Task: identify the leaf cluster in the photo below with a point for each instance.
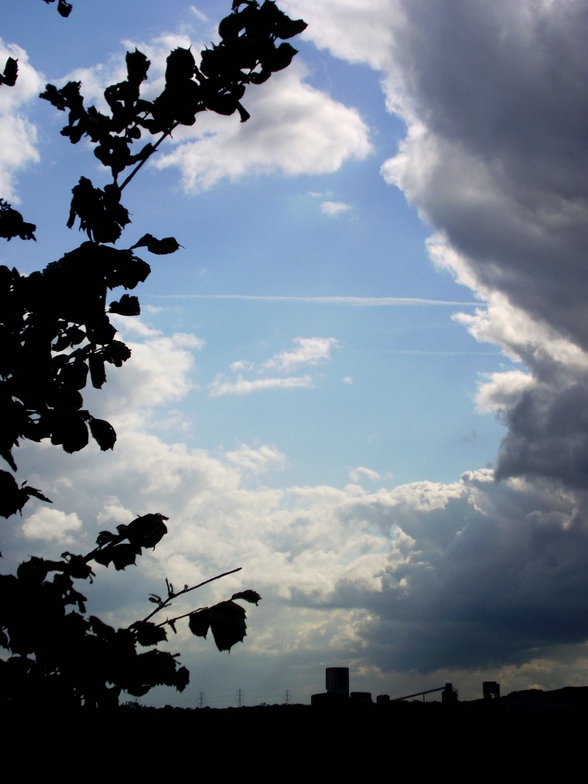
(57, 337)
(12, 224)
(248, 53)
(63, 8)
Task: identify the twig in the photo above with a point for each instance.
(146, 158)
(171, 596)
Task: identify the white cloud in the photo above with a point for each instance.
(240, 386)
(356, 474)
(51, 525)
(359, 31)
(308, 351)
(334, 208)
(500, 391)
(159, 372)
(198, 14)
(360, 302)
(241, 365)
(395, 580)
(18, 136)
(114, 513)
(294, 129)
(256, 460)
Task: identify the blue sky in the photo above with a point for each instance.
(377, 311)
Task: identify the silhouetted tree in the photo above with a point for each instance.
(56, 337)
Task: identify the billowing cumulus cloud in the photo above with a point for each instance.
(294, 129)
(51, 525)
(159, 374)
(484, 572)
(473, 576)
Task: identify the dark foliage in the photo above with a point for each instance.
(57, 337)
(54, 325)
(62, 657)
(63, 8)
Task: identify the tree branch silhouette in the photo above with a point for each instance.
(57, 338)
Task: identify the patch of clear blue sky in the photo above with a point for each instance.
(409, 411)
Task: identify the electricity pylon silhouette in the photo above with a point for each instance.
(239, 698)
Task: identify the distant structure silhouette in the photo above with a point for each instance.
(361, 697)
(337, 694)
(239, 698)
(201, 700)
(286, 698)
(337, 680)
(491, 691)
(449, 694)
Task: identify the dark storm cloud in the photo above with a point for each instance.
(501, 91)
(547, 436)
(510, 579)
(495, 157)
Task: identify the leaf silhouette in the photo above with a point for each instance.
(199, 622)
(249, 596)
(103, 433)
(146, 531)
(10, 72)
(149, 634)
(227, 624)
(158, 247)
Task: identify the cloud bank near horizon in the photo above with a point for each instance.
(471, 576)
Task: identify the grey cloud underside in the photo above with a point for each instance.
(473, 574)
(548, 436)
(477, 587)
(503, 86)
